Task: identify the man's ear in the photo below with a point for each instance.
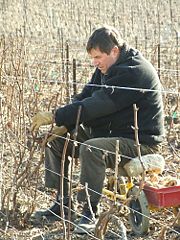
(116, 50)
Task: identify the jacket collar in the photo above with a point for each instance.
(124, 52)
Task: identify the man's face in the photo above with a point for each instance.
(104, 61)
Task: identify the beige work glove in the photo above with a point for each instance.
(56, 131)
(40, 119)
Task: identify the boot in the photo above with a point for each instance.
(54, 213)
(87, 222)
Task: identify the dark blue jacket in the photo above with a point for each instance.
(109, 110)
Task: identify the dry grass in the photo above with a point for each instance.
(38, 42)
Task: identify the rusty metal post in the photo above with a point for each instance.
(136, 42)
(67, 73)
(145, 38)
(61, 44)
(177, 55)
(159, 60)
(74, 78)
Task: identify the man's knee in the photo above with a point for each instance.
(86, 147)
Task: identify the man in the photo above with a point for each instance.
(107, 115)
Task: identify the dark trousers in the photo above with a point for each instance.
(95, 154)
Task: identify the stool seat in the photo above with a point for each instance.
(153, 163)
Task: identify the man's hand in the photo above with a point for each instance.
(41, 118)
(56, 131)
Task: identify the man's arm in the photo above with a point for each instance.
(88, 89)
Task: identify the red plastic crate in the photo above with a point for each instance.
(163, 197)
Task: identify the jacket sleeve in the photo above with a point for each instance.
(88, 89)
(95, 106)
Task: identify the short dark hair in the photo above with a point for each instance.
(104, 38)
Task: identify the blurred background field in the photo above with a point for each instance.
(43, 63)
